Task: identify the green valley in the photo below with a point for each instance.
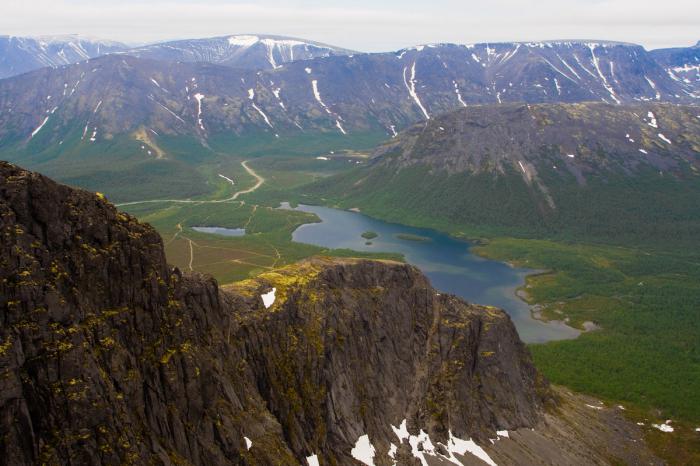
(267, 242)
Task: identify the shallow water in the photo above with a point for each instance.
(221, 231)
(446, 261)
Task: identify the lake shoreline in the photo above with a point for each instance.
(451, 262)
(476, 246)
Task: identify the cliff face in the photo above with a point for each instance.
(352, 348)
(108, 356)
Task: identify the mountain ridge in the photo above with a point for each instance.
(19, 55)
(345, 94)
(26, 53)
(249, 51)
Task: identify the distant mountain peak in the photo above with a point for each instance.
(531, 44)
(65, 38)
(247, 51)
(247, 40)
(23, 54)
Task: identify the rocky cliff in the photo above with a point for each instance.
(109, 356)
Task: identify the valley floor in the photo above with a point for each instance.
(267, 243)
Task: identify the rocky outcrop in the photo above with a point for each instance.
(356, 347)
(109, 356)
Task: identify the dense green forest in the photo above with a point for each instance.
(647, 350)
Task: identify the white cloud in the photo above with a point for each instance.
(363, 24)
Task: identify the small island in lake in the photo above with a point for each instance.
(411, 237)
(369, 235)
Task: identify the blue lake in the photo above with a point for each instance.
(447, 262)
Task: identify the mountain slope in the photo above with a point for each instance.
(255, 52)
(338, 94)
(149, 121)
(681, 64)
(110, 356)
(22, 54)
(628, 173)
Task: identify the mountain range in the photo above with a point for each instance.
(19, 55)
(117, 95)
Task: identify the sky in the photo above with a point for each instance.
(363, 25)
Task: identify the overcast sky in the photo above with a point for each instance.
(365, 25)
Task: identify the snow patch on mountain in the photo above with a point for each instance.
(199, 97)
(652, 84)
(268, 298)
(422, 447)
(262, 114)
(652, 120)
(276, 91)
(317, 96)
(411, 87)
(34, 133)
(459, 94)
(364, 451)
(243, 40)
(596, 64)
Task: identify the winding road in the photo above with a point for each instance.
(259, 182)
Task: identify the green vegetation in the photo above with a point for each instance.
(412, 237)
(125, 172)
(122, 169)
(266, 245)
(295, 144)
(119, 168)
(369, 234)
(648, 209)
(646, 302)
